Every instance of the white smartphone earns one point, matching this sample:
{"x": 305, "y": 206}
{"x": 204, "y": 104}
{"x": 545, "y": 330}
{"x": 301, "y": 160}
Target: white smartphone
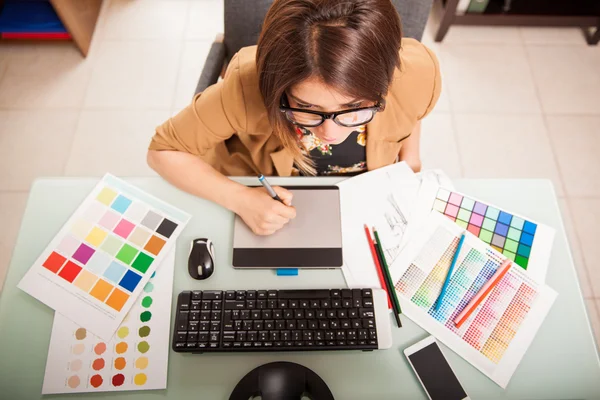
{"x": 434, "y": 372}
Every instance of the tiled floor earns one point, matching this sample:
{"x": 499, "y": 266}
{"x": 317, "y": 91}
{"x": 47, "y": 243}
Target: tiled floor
{"x": 532, "y": 93}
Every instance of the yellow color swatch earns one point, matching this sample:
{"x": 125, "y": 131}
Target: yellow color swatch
{"x": 106, "y": 196}
{"x": 85, "y": 280}
{"x": 96, "y": 236}
{"x": 123, "y": 332}
{"x": 140, "y": 379}
{"x": 141, "y": 363}
{"x": 101, "y": 290}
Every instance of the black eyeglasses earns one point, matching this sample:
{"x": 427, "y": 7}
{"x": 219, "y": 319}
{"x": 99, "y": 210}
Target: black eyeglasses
{"x": 347, "y": 118}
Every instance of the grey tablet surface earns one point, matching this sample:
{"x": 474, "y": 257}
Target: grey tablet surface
{"x": 312, "y": 240}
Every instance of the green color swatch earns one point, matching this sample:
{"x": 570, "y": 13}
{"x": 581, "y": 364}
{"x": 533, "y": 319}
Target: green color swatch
{"x": 144, "y": 331}
{"x": 143, "y": 347}
{"x": 145, "y": 316}
{"x": 126, "y": 254}
{"x": 142, "y": 262}
{"x": 147, "y": 301}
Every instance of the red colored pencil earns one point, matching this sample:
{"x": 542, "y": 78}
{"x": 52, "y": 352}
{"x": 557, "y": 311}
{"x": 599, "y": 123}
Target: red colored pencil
{"x": 377, "y": 266}
{"x": 483, "y": 292}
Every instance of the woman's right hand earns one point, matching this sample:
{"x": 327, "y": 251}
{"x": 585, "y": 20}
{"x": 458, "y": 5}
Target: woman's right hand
{"x": 263, "y": 214}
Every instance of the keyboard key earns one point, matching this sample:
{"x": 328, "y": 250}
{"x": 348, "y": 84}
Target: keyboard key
{"x": 261, "y": 304}
{"x": 206, "y": 305}
{"x": 304, "y": 304}
{"x": 204, "y": 315}
{"x": 293, "y": 303}
{"x": 250, "y": 304}
{"x": 215, "y": 325}
{"x": 299, "y": 314}
{"x": 215, "y": 315}
{"x": 301, "y": 324}
{"x": 240, "y": 336}
{"x": 196, "y": 304}
{"x": 274, "y": 336}
{"x": 313, "y": 324}
{"x": 181, "y": 337}
{"x": 331, "y": 314}
{"x": 309, "y": 314}
{"x": 251, "y": 336}
{"x": 228, "y": 336}
{"x": 258, "y": 344}
{"x": 346, "y": 293}
{"x": 346, "y": 303}
{"x": 212, "y": 295}
{"x": 245, "y": 314}
{"x": 251, "y": 294}
{"x": 353, "y": 313}
{"x": 203, "y": 336}
{"x": 368, "y": 303}
{"x": 248, "y": 325}
{"x": 336, "y": 303}
{"x": 191, "y": 345}
{"x": 277, "y": 314}
{"x": 237, "y": 345}
{"x": 367, "y": 293}
{"x": 261, "y": 295}
{"x": 368, "y": 323}
{"x": 280, "y": 324}
{"x": 204, "y": 326}
{"x": 214, "y": 336}
{"x": 272, "y": 304}
{"x": 269, "y": 324}
{"x": 196, "y": 295}
{"x": 255, "y": 314}
{"x": 227, "y": 345}
{"x": 247, "y": 344}
{"x": 356, "y": 293}
{"x": 258, "y": 325}
{"x": 342, "y": 314}
{"x": 315, "y": 304}
{"x": 325, "y": 303}
{"x": 373, "y": 333}
{"x": 366, "y": 312}
{"x": 193, "y": 326}
{"x": 267, "y": 314}
{"x": 272, "y": 294}
{"x": 230, "y": 295}
{"x": 238, "y": 325}
{"x": 357, "y": 303}
{"x": 263, "y": 336}
{"x": 345, "y": 323}
{"x": 268, "y": 344}
{"x": 235, "y": 305}
{"x": 192, "y": 337}
{"x": 336, "y": 293}
{"x": 363, "y": 334}
{"x": 291, "y": 324}
{"x": 288, "y": 314}
{"x": 184, "y": 300}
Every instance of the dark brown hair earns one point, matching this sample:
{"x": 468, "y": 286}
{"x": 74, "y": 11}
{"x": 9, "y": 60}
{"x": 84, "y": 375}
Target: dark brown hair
{"x": 351, "y": 45}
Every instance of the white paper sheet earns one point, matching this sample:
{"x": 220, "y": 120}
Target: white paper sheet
{"x": 136, "y": 358}
{"x": 496, "y": 336}
{"x": 382, "y": 199}
{"x": 96, "y": 266}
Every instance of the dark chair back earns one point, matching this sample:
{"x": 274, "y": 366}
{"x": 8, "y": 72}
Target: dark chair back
{"x": 244, "y": 18}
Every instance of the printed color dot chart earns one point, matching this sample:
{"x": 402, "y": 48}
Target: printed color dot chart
{"x": 104, "y": 255}
{"x": 497, "y": 325}
{"x": 512, "y": 235}
{"x": 136, "y": 358}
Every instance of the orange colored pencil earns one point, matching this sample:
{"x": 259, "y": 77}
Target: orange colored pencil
{"x": 377, "y": 266}
{"x": 483, "y": 292}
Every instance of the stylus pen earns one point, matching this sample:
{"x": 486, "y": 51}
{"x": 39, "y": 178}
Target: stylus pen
{"x": 483, "y": 292}
{"x": 269, "y": 188}
{"x": 388, "y": 279}
{"x": 447, "y": 281}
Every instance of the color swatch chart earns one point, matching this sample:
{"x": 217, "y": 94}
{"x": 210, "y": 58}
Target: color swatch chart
{"x": 136, "y": 358}
{"x": 98, "y": 263}
{"x": 509, "y": 234}
{"x": 486, "y": 337}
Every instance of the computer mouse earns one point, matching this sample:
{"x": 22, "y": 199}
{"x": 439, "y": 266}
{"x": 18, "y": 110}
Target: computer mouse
{"x": 201, "y": 262}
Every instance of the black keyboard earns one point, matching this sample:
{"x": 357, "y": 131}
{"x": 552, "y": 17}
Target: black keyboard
{"x": 275, "y": 320}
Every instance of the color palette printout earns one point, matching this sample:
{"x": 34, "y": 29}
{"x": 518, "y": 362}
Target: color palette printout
{"x": 525, "y": 242}
{"x": 97, "y": 265}
{"x": 497, "y": 334}
{"x": 136, "y": 358}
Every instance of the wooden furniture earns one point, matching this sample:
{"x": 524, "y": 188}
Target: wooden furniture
{"x": 79, "y": 18}
{"x": 589, "y": 24}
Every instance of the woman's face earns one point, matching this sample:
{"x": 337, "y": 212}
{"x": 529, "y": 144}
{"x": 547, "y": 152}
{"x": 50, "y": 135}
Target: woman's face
{"x": 312, "y": 94}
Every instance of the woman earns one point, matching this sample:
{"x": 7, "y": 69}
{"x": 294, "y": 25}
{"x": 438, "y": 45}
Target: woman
{"x": 331, "y": 88}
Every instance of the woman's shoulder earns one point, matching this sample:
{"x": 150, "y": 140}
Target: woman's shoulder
{"x": 242, "y": 69}
{"x": 417, "y": 83}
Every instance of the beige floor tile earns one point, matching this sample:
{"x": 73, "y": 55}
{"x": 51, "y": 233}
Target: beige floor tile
{"x": 567, "y": 78}
{"x": 592, "y": 307}
{"x": 552, "y": 36}
{"x": 205, "y": 20}
{"x": 483, "y": 35}
{"x": 192, "y": 61}
{"x": 12, "y": 206}
{"x": 134, "y": 74}
{"x": 438, "y": 144}
{"x": 576, "y": 143}
{"x": 506, "y": 146}
{"x": 45, "y": 75}
{"x": 148, "y": 19}
{"x": 489, "y": 78}
{"x": 580, "y": 267}
{"x": 586, "y": 218}
{"x": 113, "y": 141}
{"x": 34, "y": 143}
